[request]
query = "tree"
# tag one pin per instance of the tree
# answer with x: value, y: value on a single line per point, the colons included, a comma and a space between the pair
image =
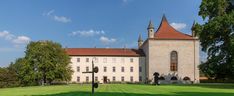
x: 156, y: 78
x: 217, y: 38
x: 8, y: 78
x: 44, y: 62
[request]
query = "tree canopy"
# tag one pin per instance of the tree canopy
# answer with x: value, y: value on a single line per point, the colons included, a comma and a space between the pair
x: 217, y: 38
x: 44, y: 62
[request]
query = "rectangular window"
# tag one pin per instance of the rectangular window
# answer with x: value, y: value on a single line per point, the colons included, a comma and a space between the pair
x: 140, y: 78
x: 96, y: 78
x: 113, y: 78
x: 87, y: 69
x: 78, y: 59
x: 113, y: 60
x: 104, y: 60
x: 78, y: 79
x: 122, y: 69
x: 131, y: 59
x: 78, y: 69
x: 96, y: 60
x: 131, y: 69
x: 131, y: 78
x: 113, y: 69
x: 122, y: 59
x: 105, y: 69
x: 140, y: 69
x: 122, y: 78
x: 87, y: 78
x: 87, y: 59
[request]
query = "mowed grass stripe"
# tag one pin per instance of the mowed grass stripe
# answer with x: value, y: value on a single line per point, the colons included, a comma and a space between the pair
x: 122, y: 90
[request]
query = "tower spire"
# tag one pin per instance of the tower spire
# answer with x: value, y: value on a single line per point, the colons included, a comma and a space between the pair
x: 164, y: 18
x: 140, y: 41
x: 150, y: 30
x: 151, y: 25
x: 193, y: 29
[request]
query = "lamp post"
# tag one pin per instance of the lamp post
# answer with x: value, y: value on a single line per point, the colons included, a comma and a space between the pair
x: 94, y: 70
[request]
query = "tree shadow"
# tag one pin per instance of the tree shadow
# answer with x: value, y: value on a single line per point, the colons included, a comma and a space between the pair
x: 82, y: 93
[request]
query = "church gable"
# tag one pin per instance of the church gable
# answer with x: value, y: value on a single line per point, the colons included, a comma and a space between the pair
x: 166, y: 31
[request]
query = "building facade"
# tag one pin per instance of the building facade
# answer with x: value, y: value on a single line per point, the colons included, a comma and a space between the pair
x: 174, y: 55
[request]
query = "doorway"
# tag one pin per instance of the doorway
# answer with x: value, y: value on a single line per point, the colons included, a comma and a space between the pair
x: 104, y: 79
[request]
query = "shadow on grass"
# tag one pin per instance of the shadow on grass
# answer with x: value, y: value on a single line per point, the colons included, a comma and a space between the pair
x: 213, y: 86
x: 77, y: 93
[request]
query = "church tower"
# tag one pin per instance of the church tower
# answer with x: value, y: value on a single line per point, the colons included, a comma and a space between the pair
x: 140, y: 41
x: 150, y: 30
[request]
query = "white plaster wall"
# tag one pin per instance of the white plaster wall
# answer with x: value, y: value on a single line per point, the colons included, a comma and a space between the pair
x: 159, y: 58
x: 120, y: 62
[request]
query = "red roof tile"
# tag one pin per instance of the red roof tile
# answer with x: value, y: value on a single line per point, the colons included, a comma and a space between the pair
x: 103, y: 52
x: 166, y: 31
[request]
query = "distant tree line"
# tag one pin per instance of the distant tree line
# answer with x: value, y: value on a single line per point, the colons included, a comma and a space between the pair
x: 44, y: 62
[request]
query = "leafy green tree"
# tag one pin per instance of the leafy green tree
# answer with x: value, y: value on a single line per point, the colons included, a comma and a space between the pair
x: 44, y: 62
x: 8, y: 78
x: 217, y: 38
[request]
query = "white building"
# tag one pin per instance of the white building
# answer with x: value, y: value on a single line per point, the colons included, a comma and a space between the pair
x: 174, y: 55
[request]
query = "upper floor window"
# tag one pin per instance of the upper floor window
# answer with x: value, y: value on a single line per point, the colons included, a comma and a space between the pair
x: 78, y: 69
x: 87, y: 59
x: 122, y: 69
x: 131, y: 59
x: 174, y: 61
x: 113, y: 69
x: 114, y: 60
x: 105, y: 69
x: 96, y: 60
x: 87, y: 69
x: 78, y: 59
x: 131, y: 69
x: 104, y: 60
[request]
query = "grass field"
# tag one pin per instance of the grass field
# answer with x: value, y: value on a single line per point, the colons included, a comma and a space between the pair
x: 123, y: 90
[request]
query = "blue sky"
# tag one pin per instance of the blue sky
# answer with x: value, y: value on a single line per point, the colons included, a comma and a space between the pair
x: 86, y: 23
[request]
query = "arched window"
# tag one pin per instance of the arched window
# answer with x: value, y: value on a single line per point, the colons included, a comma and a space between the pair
x: 174, y: 61
x: 174, y: 78
x: 186, y: 78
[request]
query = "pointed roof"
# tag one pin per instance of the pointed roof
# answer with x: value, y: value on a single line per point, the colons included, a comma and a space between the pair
x: 151, y: 25
x: 140, y: 38
x: 166, y: 31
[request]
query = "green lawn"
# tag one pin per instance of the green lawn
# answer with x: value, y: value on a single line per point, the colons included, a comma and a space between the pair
x: 123, y: 90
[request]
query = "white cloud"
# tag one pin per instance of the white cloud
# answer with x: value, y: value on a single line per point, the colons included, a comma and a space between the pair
x: 16, y: 40
x: 178, y: 26
x: 21, y: 40
x: 5, y: 34
x: 106, y: 40
x: 62, y: 19
x: 87, y: 33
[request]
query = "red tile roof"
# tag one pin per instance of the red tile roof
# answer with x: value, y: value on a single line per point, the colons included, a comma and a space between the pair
x: 166, y: 31
x: 103, y: 52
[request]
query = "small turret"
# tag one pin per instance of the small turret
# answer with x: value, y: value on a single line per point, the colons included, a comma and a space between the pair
x: 150, y: 30
x: 140, y: 41
x: 193, y: 29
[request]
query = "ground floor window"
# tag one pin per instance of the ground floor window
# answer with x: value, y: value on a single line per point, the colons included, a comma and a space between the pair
x: 131, y: 78
x: 96, y: 78
x: 122, y: 78
x: 87, y: 78
x: 140, y: 78
x: 78, y: 79
x: 113, y: 78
